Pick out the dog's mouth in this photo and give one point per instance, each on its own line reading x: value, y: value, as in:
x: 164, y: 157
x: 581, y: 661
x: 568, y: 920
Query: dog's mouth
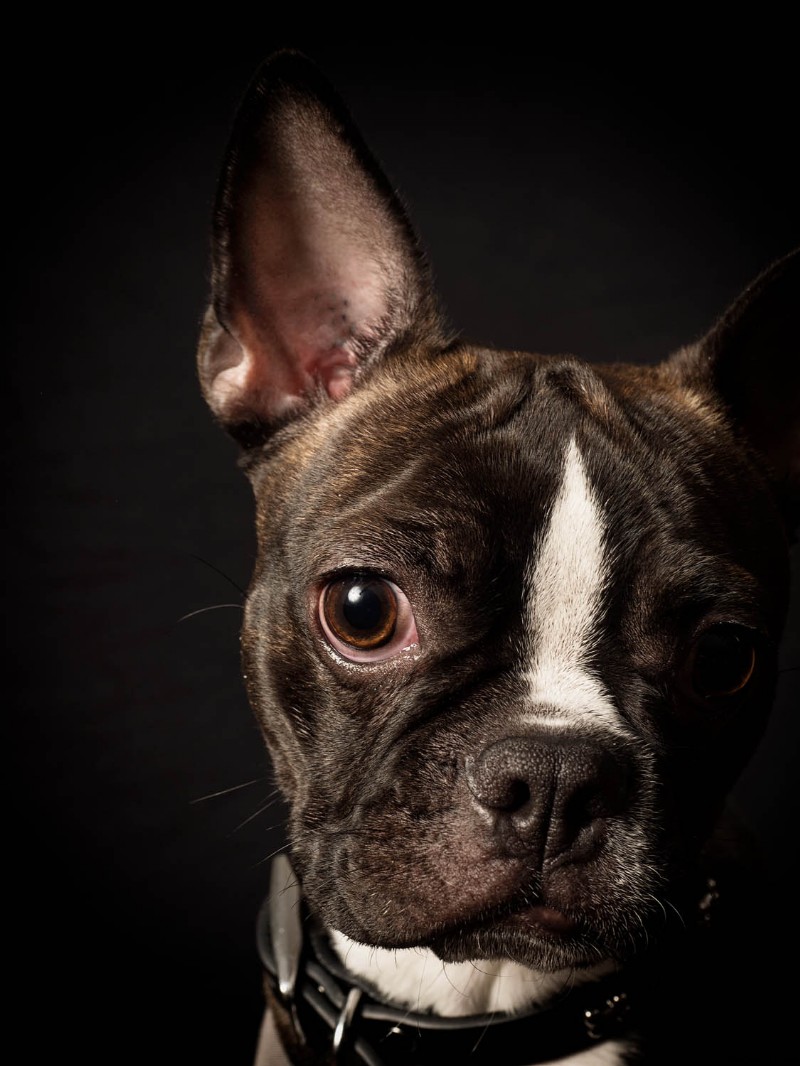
x: 537, y: 937
x: 560, y: 918
x: 531, y: 933
x: 542, y: 921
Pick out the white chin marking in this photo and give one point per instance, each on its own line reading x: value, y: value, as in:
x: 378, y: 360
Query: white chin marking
x: 566, y: 578
x: 415, y: 978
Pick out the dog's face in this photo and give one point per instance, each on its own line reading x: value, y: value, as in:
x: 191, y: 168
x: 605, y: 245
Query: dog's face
x: 511, y: 634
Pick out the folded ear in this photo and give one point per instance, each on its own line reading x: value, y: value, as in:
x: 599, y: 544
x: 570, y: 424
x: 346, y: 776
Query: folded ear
x: 751, y: 361
x: 316, y: 271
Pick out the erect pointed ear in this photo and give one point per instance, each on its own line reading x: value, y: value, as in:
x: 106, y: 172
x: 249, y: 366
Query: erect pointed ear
x: 315, y: 269
x: 751, y: 361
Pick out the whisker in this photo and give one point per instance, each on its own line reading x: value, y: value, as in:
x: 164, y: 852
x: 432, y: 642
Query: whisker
x: 271, y: 855
x: 672, y: 907
x: 217, y: 570
x: 214, y: 607
x: 483, y: 1034
x: 270, y: 803
x: 227, y: 791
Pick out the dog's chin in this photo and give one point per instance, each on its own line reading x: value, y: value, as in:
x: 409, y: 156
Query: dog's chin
x: 537, y: 937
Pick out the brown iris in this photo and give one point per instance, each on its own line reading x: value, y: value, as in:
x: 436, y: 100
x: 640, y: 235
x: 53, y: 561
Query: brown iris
x: 361, y: 611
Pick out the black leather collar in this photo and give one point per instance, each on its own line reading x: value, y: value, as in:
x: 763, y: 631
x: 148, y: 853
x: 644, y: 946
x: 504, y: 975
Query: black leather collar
x: 330, y: 1015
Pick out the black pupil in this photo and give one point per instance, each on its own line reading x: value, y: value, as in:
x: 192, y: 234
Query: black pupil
x: 361, y: 611
x: 722, y: 662
x: 364, y: 608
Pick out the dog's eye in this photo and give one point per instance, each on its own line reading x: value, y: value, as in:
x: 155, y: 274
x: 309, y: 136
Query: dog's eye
x: 721, y: 662
x: 366, y: 618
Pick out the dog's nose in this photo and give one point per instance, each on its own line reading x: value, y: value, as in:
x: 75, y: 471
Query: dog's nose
x: 550, y: 795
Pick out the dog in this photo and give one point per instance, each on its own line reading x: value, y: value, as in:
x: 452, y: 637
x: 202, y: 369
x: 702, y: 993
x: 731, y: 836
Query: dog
x: 511, y: 634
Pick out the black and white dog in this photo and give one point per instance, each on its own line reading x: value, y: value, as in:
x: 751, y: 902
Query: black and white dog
x: 512, y: 631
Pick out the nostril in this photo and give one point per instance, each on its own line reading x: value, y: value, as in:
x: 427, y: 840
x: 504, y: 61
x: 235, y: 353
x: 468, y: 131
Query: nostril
x: 586, y: 798
x: 503, y: 778
x: 514, y: 796
x: 580, y: 810
x: 555, y: 794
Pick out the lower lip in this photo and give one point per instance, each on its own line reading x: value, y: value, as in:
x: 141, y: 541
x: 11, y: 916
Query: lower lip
x: 545, y: 921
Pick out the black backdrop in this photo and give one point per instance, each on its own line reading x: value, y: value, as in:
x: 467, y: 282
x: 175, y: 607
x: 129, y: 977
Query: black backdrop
x: 610, y: 208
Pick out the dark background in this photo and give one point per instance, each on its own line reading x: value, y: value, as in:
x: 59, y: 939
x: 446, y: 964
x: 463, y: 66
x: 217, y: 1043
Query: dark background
x: 609, y: 207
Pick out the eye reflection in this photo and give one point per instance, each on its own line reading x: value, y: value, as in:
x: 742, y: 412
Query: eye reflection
x: 366, y: 618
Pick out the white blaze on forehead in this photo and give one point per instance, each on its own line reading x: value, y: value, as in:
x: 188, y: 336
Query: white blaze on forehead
x: 566, y: 580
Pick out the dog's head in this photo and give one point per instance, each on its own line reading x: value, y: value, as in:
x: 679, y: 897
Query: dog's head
x: 511, y: 634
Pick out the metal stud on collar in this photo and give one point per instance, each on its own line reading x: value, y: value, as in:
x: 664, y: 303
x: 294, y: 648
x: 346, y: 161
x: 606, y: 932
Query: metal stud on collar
x: 286, y: 934
x: 343, y: 1022
x: 708, y: 901
x: 601, y: 1022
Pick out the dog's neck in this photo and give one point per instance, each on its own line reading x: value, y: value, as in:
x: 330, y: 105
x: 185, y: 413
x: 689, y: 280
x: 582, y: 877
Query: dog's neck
x: 417, y: 979
x: 326, y: 990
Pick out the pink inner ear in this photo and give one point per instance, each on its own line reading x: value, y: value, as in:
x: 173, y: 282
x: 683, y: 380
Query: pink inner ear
x: 251, y: 384
x: 298, y: 320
